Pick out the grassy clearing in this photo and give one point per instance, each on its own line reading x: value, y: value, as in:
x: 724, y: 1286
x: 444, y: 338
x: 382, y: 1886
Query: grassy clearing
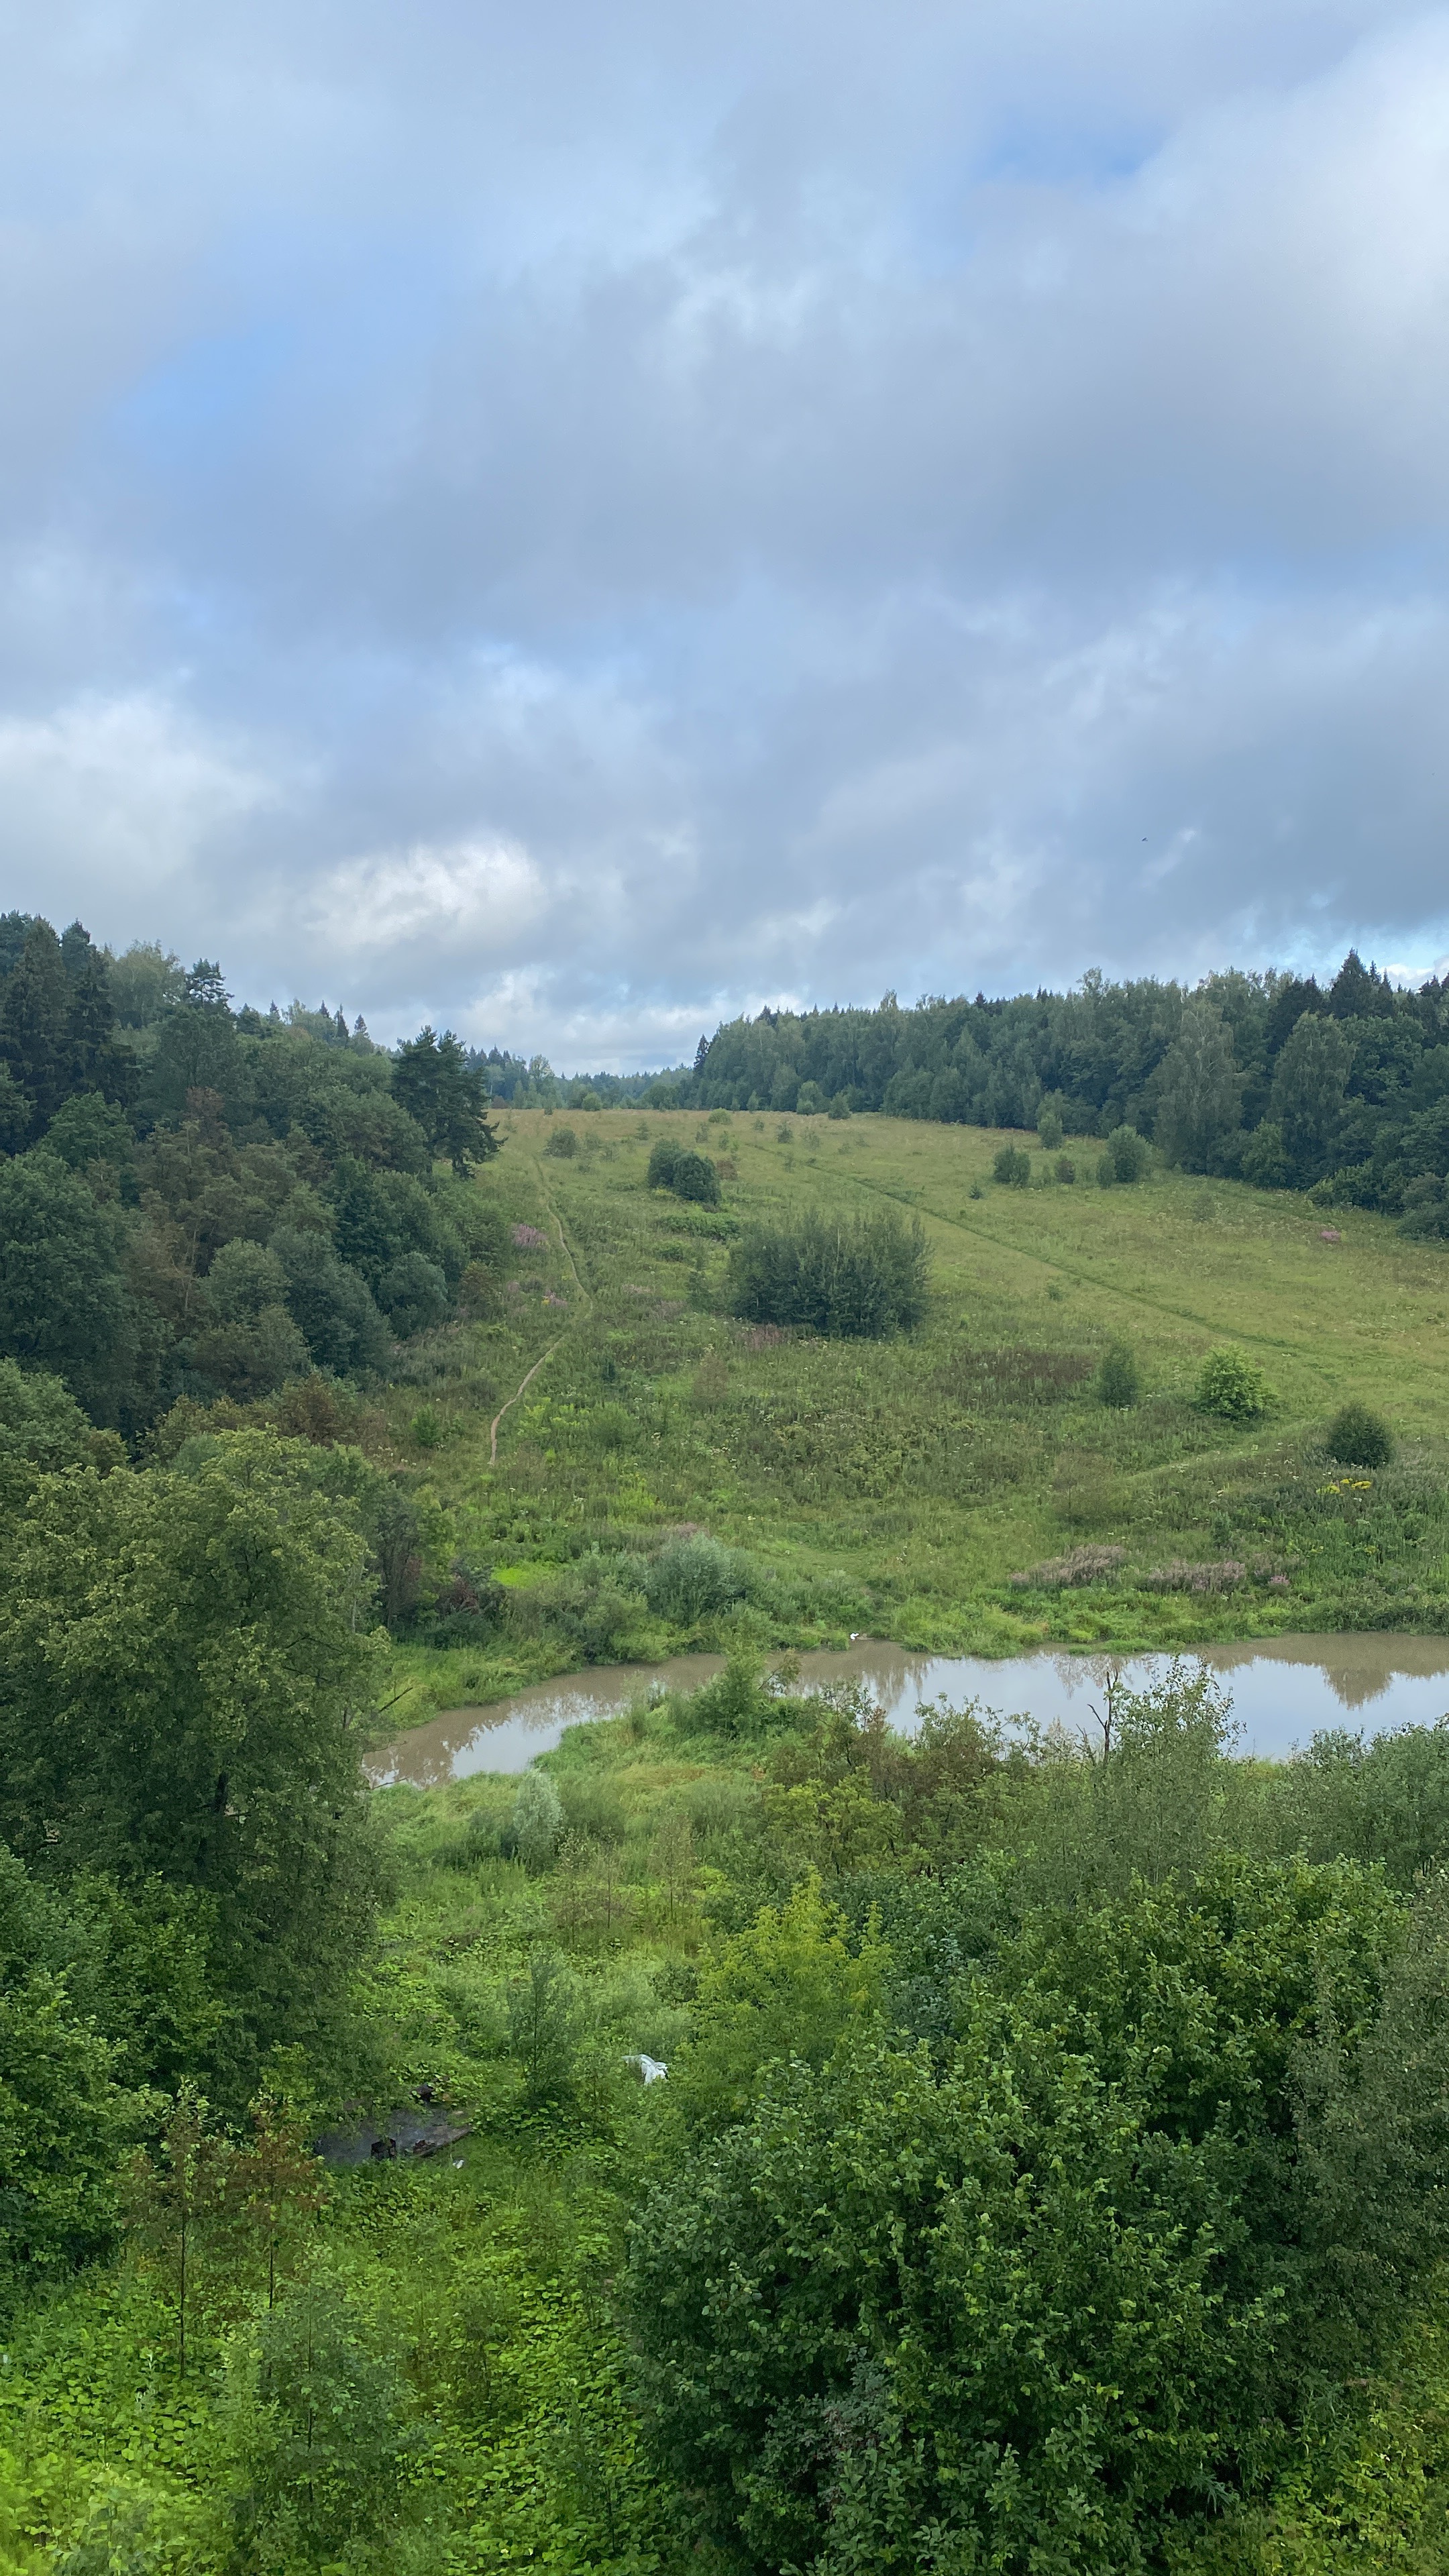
x: 899, y: 1486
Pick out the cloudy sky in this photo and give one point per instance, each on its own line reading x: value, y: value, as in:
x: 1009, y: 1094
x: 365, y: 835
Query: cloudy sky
x: 576, y: 521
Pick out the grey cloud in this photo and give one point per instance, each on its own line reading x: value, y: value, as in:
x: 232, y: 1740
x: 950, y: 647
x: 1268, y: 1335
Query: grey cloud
x: 576, y: 522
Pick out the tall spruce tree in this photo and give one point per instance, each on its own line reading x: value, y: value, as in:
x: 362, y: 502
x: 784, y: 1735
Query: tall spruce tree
x: 35, y: 1026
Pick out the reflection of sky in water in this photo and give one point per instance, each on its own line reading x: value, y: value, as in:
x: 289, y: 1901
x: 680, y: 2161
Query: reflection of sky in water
x: 1283, y: 1689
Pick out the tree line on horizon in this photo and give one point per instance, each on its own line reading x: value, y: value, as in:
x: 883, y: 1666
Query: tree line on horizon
x: 1342, y: 1090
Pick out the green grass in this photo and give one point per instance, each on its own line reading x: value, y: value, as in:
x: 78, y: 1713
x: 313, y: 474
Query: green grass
x: 899, y: 1486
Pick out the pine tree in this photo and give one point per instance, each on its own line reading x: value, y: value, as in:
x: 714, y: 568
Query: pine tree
x: 15, y: 929
x: 97, y: 1062
x: 35, y: 1038
x: 436, y: 1085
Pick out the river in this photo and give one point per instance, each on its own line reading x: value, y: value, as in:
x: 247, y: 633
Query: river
x: 1284, y: 1690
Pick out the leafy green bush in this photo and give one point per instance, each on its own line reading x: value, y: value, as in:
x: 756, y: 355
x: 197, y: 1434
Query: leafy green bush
x: 861, y: 1278
x: 413, y: 1294
x: 1012, y: 1167
x: 680, y: 1168
x: 695, y: 1578
x: 1359, y: 1438
x: 1265, y: 1158
x: 543, y: 2027
x: 563, y: 1143
x: 871, y: 2307
x: 537, y: 1820
x: 1125, y: 1160
x: 62, y: 2117
x: 1231, y: 1384
x: 323, y: 2438
x: 1119, y: 1380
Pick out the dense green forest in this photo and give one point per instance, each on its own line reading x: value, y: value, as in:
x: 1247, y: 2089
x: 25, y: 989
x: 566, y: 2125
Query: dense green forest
x: 1343, y: 1091
x: 1049, y: 2173
x: 197, y: 1202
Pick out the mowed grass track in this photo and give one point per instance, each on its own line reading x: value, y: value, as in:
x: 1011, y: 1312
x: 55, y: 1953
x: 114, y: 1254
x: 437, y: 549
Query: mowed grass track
x: 930, y: 1470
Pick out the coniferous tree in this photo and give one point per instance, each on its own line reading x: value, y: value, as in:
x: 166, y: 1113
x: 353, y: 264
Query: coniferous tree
x: 35, y: 1028
x: 15, y: 929
x: 98, y: 1063
x: 448, y: 1097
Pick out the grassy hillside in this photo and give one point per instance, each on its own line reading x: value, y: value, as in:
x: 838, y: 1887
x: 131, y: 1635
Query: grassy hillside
x: 899, y: 1486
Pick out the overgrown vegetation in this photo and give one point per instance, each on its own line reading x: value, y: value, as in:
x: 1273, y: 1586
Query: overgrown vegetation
x: 1047, y: 2170
x: 860, y: 1278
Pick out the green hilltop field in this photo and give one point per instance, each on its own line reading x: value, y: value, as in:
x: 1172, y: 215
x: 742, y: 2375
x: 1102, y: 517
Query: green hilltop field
x: 898, y: 1486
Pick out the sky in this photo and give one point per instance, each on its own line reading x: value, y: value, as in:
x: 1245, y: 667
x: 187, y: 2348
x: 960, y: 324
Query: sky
x: 572, y: 523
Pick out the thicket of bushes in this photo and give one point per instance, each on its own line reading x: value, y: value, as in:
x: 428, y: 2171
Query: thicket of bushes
x: 862, y: 1277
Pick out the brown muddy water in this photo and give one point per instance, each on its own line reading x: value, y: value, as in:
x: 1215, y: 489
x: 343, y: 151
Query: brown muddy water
x: 1284, y: 1690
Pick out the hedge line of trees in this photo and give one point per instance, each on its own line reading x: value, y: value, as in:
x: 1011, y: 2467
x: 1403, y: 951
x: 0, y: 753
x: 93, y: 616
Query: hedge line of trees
x: 1271, y: 1078
x: 201, y: 1201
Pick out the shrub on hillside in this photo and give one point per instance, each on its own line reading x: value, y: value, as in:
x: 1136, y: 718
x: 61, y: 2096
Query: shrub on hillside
x: 1125, y: 1160
x: 1231, y: 1384
x: 1265, y: 1161
x: 1119, y: 1380
x: 688, y: 1174
x: 537, y: 1820
x: 562, y: 1142
x: 850, y: 1278
x: 1012, y: 1167
x: 1358, y: 1438
x: 695, y: 1578
x: 1064, y: 1573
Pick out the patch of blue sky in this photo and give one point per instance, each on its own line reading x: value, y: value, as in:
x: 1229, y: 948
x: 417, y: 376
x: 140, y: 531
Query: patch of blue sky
x: 208, y: 395
x: 308, y: 318
x: 1027, y: 151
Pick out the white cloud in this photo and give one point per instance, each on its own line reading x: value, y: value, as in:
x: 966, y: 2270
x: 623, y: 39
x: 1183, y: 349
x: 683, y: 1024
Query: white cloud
x: 120, y: 805
x: 663, y: 510
x: 472, y: 893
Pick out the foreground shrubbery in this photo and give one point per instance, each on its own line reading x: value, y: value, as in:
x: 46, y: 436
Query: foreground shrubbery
x: 1047, y: 2172
x: 1093, y: 2101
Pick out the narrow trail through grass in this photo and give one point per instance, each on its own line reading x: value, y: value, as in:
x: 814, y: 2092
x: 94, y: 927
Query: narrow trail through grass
x: 586, y: 1309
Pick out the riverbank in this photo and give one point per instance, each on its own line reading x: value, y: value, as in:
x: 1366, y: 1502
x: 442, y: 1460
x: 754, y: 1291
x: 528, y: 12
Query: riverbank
x: 1284, y: 1691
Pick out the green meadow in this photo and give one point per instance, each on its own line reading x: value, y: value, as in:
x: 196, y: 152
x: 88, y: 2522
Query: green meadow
x: 899, y: 1486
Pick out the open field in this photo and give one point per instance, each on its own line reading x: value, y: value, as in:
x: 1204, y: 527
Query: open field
x: 898, y: 1487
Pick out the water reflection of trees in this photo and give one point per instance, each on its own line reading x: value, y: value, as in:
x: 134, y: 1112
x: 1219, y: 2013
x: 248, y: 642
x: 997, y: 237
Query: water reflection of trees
x: 1358, y: 1670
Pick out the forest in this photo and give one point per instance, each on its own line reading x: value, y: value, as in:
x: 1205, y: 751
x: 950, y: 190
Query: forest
x: 1340, y: 1090
x: 1048, y: 2174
